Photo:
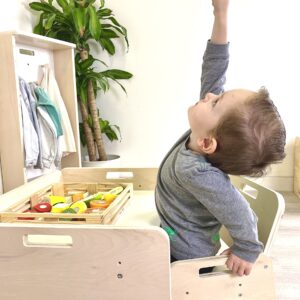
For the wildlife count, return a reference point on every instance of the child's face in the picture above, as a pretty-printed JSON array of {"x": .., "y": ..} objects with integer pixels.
[{"x": 206, "y": 114}]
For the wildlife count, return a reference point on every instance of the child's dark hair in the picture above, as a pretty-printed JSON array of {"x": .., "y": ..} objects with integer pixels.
[{"x": 250, "y": 137}]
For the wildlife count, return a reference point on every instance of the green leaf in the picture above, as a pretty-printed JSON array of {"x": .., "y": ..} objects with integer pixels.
[
  {"x": 71, "y": 4},
  {"x": 108, "y": 45},
  {"x": 102, "y": 62},
  {"x": 45, "y": 7},
  {"x": 114, "y": 27},
  {"x": 77, "y": 58},
  {"x": 89, "y": 2},
  {"x": 110, "y": 130},
  {"x": 116, "y": 129},
  {"x": 50, "y": 21},
  {"x": 39, "y": 28},
  {"x": 41, "y": 7},
  {"x": 92, "y": 75},
  {"x": 105, "y": 12},
  {"x": 121, "y": 86},
  {"x": 51, "y": 34},
  {"x": 108, "y": 33},
  {"x": 82, "y": 136},
  {"x": 64, "y": 5},
  {"x": 79, "y": 18},
  {"x": 102, "y": 3},
  {"x": 117, "y": 74},
  {"x": 104, "y": 84},
  {"x": 65, "y": 21},
  {"x": 103, "y": 124},
  {"x": 84, "y": 3},
  {"x": 86, "y": 63},
  {"x": 123, "y": 30},
  {"x": 114, "y": 21},
  {"x": 94, "y": 23}
]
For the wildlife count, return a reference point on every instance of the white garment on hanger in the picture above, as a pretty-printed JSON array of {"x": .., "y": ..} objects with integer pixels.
[
  {"x": 48, "y": 82},
  {"x": 30, "y": 137}
]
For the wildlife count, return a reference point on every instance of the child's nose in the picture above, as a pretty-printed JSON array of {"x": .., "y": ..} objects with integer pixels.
[{"x": 208, "y": 97}]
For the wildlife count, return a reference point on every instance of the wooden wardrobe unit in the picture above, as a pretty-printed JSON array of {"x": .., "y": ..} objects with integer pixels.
[{"x": 60, "y": 56}]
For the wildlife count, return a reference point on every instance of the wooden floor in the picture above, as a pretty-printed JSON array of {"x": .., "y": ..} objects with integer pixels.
[{"x": 286, "y": 251}]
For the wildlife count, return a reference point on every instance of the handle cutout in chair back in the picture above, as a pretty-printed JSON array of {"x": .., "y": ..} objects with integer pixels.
[
  {"x": 47, "y": 241},
  {"x": 118, "y": 175},
  {"x": 249, "y": 191}
]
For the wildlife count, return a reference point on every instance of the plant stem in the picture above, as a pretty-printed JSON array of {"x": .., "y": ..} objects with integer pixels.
[
  {"x": 96, "y": 126},
  {"x": 87, "y": 132}
]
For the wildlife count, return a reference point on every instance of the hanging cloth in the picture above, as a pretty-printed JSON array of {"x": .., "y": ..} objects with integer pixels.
[
  {"x": 33, "y": 101},
  {"x": 52, "y": 130},
  {"x": 45, "y": 101},
  {"x": 48, "y": 136},
  {"x": 50, "y": 85},
  {"x": 29, "y": 120}
]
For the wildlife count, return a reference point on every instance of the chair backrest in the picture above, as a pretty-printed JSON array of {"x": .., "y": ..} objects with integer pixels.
[
  {"x": 75, "y": 262},
  {"x": 222, "y": 284},
  {"x": 267, "y": 204}
]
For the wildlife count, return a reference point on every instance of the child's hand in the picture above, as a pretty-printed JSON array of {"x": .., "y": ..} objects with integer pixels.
[
  {"x": 220, "y": 6},
  {"x": 219, "y": 31},
  {"x": 237, "y": 265}
]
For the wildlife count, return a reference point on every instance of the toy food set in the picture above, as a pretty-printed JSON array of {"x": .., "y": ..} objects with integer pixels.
[{"x": 96, "y": 203}]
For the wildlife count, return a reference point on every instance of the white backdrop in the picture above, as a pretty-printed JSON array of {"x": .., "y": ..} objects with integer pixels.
[{"x": 167, "y": 40}]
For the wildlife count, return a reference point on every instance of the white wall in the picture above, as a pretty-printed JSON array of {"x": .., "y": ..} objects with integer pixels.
[{"x": 167, "y": 39}]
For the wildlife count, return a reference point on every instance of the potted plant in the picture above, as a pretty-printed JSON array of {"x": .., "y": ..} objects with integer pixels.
[{"x": 82, "y": 23}]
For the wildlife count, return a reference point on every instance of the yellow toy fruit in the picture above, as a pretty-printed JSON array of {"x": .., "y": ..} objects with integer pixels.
[
  {"x": 59, "y": 207},
  {"x": 57, "y": 199},
  {"x": 109, "y": 197},
  {"x": 79, "y": 206}
]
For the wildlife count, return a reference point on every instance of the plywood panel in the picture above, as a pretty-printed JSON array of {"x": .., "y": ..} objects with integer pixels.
[
  {"x": 142, "y": 178},
  {"x": 11, "y": 138},
  {"x": 73, "y": 263}
]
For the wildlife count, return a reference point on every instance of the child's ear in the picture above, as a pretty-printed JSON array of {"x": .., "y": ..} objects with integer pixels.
[{"x": 207, "y": 145}]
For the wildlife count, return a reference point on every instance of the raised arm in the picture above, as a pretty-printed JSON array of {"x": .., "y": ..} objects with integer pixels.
[
  {"x": 216, "y": 56},
  {"x": 219, "y": 31}
]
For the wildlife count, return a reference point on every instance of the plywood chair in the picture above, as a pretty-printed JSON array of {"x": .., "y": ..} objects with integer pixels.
[{"x": 188, "y": 284}]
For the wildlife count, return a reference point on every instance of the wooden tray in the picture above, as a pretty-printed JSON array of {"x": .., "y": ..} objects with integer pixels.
[{"x": 17, "y": 212}]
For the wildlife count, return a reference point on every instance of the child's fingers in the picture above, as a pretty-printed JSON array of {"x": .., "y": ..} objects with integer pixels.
[
  {"x": 241, "y": 270},
  {"x": 248, "y": 270},
  {"x": 229, "y": 262},
  {"x": 235, "y": 267}
]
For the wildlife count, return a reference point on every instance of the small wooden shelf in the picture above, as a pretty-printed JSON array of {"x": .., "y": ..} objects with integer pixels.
[{"x": 60, "y": 56}]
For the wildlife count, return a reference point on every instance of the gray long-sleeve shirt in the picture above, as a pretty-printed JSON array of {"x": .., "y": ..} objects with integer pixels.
[{"x": 194, "y": 198}]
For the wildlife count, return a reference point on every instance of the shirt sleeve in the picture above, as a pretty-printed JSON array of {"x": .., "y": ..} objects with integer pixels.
[
  {"x": 214, "y": 67},
  {"x": 231, "y": 209}
]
